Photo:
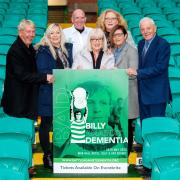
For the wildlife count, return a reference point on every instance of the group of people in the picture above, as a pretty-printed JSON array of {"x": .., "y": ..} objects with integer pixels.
[{"x": 29, "y": 79}]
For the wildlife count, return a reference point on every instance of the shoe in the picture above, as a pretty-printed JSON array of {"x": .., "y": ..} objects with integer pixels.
[
  {"x": 145, "y": 172},
  {"x": 48, "y": 162},
  {"x": 32, "y": 172}
]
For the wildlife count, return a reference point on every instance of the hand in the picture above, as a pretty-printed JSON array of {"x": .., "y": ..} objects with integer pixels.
[
  {"x": 50, "y": 78},
  {"x": 131, "y": 72}
]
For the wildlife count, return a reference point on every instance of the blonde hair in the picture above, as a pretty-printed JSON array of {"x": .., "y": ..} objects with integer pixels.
[
  {"x": 23, "y": 23},
  {"x": 96, "y": 33},
  {"x": 101, "y": 19},
  {"x": 46, "y": 42}
]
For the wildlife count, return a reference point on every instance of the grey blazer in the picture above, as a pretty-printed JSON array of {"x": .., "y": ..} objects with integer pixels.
[
  {"x": 129, "y": 58},
  {"x": 83, "y": 60}
]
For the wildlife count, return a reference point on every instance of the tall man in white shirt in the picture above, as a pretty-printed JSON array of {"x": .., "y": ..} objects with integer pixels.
[{"x": 77, "y": 34}]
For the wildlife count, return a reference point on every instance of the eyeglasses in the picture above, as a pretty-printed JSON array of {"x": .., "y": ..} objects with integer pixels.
[
  {"x": 96, "y": 39},
  {"x": 118, "y": 35},
  {"x": 111, "y": 19}
]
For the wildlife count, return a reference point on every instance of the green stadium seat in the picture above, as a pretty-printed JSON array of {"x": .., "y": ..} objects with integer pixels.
[
  {"x": 2, "y": 71},
  {"x": 37, "y": 39},
  {"x": 138, "y": 132},
  {"x": 171, "y": 174},
  {"x": 165, "y": 159},
  {"x": 160, "y": 17},
  {"x": 4, "y": 49},
  {"x": 4, "y": 5},
  {"x": 175, "y": 88},
  {"x": 40, "y": 31},
  {"x": 173, "y": 17},
  {"x": 133, "y": 20},
  {"x": 19, "y": 5},
  {"x": 20, "y": 1},
  {"x": 1, "y": 93},
  {"x": 163, "y": 24},
  {"x": 8, "y": 31},
  {"x": 173, "y": 39},
  {"x": 145, "y": 4},
  {"x": 2, "y": 60},
  {"x": 177, "y": 60},
  {"x": 14, "y": 155},
  {"x": 174, "y": 73},
  {"x": 16, "y": 11},
  {"x": 175, "y": 107},
  {"x": 172, "y": 61},
  {"x": 21, "y": 129},
  {"x": 136, "y": 32},
  {"x": 157, "y": 128},
  {"x": 7, "y": 40},
  {"x": 2, "y": 12},
  {"x": 177, "y": 24},
  {"x": 169, "y": 11},
  {"x": 5, "y": 1},
  {"x": 175, "y": 49},
  {"x": 37, "y": 11},
  {"x": 153, "y": 10},
  {"x": 165, "y": 3},
  {"x": 167, "y": 31},
  {"x": 8, "y": 174},
  {"x": 131, "y": 11}
]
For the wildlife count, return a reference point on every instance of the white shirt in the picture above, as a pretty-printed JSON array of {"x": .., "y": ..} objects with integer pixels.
[{"x": 79, "y": 40}]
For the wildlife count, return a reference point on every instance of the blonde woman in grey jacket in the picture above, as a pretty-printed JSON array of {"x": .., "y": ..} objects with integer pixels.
[
  {"x": 126, "y": 56},
  {"x": 95, "y": 56}
]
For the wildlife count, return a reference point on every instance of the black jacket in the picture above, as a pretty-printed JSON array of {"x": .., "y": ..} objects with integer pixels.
[{"x": 21, "y": 81}]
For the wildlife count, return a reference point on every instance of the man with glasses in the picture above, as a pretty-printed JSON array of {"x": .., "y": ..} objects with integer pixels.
[{"x": 78, "y": 33}]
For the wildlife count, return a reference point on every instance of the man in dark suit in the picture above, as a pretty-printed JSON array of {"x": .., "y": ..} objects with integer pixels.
[
  {"x": 21, "y": 81},
  {"x": 152, "y": 74}
]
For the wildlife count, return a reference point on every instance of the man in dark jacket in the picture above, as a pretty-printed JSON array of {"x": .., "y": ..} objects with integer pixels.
[{"x": 22, "y": 80}]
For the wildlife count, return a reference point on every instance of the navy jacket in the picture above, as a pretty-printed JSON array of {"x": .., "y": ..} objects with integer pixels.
[
  {"x": 153, "y": 81},
  {"x": 45, "y": 64}
]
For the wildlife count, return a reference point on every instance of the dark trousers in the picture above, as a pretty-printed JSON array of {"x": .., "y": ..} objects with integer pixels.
[
  {"x": 44, "y": 129},
  {"x": 130, "y": 134},
  {"x": 151, "y": 110}
]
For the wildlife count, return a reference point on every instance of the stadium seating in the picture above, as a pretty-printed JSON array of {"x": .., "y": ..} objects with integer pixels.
[
  {"x": 21, "y": 129},
  {"x": 138, "y": 132},
  {"x": 14, "y": 157},
  {"x": 165, "y": 159},
  {"x": 157, "y": 128}
]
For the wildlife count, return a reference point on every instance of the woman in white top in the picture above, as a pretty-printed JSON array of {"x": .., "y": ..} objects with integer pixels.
[{"x": 95, "y": 56}]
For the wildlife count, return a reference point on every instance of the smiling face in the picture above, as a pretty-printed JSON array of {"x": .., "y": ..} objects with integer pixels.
[
  {"x": 119, "y": 38},
  {"x": 78, "y": 19},
  {"x": 96, "y": 43},
  {"x": 55, "y": 36},
  {"x": 27, "y": 34},
  {"x": 110, "y": 21},
  {"x": 148, "y": 29}
]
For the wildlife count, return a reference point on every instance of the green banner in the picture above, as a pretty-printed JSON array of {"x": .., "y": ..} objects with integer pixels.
[{"x": 90, "y": 121}]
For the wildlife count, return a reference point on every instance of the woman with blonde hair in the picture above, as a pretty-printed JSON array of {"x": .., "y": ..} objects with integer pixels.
[
  {"x": 95, "y": 56},
  {"x": 110, "y": 18},
  {"x": 51, "y": 54}
]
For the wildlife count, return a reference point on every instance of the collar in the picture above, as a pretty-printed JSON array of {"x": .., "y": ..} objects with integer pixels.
[
  {"x": 74, "y": 30},
  {"x": 150, "y": 40}
]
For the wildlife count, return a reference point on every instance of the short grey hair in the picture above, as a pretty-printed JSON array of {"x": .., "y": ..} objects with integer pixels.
[
  {"x": 96, "y": 33},
  {"x": 147, "y": 19},
  {"x": 23, "y": 23}
]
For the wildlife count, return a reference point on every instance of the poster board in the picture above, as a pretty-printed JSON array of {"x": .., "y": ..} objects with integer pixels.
[{"x": 90, "y": 121}]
